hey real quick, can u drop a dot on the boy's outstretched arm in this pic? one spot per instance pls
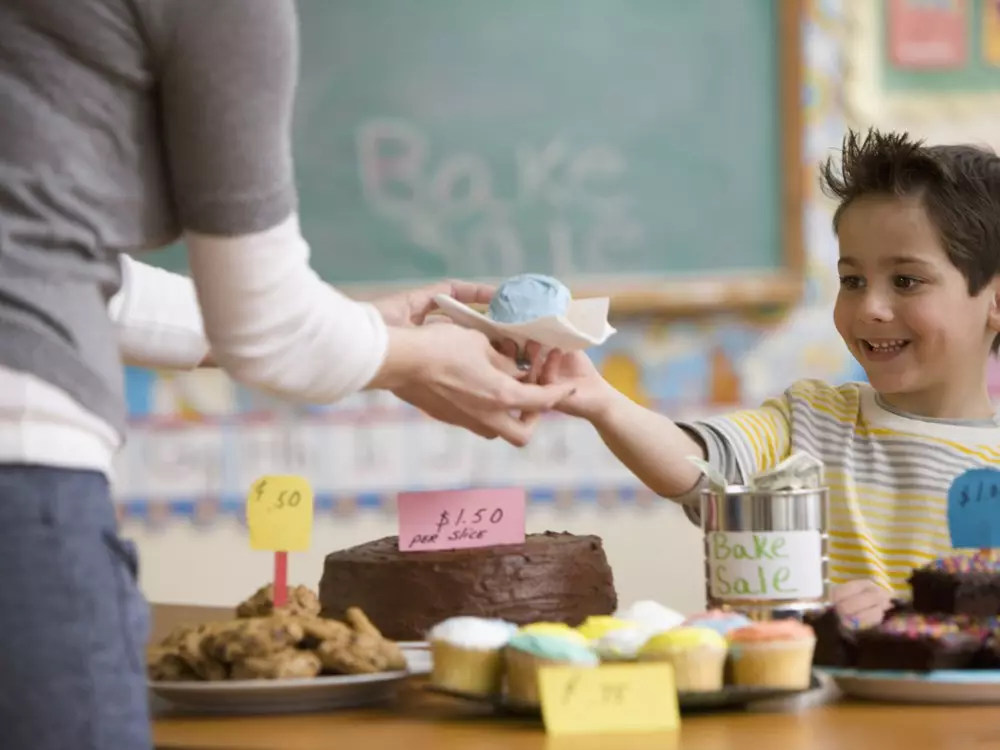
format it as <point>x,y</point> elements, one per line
<point>649,444</point>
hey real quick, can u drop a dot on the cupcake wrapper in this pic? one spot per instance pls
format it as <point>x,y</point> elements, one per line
<point>696,670</point>
<point>522,675</point>
<point>777,664</point>
<point>477,672</point>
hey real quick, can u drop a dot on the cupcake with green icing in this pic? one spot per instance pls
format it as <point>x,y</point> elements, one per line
<point>526,653</point>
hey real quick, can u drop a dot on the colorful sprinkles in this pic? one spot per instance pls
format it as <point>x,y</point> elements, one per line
<point>983,561</point>
<point>929,626</point>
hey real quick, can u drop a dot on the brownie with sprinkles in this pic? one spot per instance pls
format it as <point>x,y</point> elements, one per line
<point>920,643</point>
<point>959,585</point>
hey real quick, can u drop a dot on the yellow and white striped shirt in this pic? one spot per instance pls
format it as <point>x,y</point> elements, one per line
<point>888,473</point>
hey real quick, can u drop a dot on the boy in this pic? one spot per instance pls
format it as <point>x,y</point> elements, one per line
<point>919,234</point>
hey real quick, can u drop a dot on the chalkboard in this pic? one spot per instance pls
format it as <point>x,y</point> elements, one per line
<point>643,148</point>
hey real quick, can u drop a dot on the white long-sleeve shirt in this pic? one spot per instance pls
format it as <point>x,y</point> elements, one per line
<point>272,323</point>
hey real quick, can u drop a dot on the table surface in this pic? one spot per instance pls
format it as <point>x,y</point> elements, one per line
<point>419,721</point>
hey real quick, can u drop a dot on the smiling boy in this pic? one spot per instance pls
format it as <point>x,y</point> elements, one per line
<point>919,235</point>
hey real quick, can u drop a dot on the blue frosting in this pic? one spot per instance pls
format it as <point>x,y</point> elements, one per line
<point>553,647</point>
<point>528,297</point>
<point>721,625</point>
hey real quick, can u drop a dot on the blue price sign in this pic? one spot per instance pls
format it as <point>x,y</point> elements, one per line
<point>974,509</point>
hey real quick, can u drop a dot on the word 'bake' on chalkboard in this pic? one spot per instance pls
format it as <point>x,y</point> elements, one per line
<point>646,150</point>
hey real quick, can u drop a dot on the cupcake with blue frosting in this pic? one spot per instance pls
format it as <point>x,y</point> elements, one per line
<point>526,653</point>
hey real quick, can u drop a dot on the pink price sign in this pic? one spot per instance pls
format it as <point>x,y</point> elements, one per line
<point>460,519</point>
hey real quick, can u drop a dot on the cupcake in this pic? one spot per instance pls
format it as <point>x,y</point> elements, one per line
<point>558,629</point>
<point>468,654</point>
<point>526,653</point>
<point>718,620</point>
<point>651,615</point>
<point>621,644</point>
<point>698,656</point>
<point>596,626</point>
<point>776,654</point>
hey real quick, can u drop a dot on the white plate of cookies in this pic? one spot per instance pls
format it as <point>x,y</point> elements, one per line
<point>266,660</point>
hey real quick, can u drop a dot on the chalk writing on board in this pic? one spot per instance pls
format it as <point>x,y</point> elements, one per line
<point>765,565</point>
<point>453,205</point>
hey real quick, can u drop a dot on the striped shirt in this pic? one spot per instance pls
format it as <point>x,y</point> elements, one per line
<point>888,473</point>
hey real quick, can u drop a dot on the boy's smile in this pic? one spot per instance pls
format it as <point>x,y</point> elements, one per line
<point>905,312</point>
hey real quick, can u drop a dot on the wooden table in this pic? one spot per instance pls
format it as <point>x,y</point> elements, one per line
<point>422,722</point>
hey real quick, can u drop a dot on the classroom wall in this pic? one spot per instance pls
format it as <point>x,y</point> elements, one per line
<point>197,441</point>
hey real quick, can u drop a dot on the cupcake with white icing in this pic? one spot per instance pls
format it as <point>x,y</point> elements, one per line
<point>651,616</point>
<point>468,654</point>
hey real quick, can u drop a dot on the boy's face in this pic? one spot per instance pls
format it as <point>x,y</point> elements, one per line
<point>905,313</point>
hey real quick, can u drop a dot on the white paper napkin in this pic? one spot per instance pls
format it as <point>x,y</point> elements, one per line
<point>585,324</point>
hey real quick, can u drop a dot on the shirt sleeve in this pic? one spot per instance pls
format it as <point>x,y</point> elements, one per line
<point>227,72</point>
<point>740,445</point>
<point>157,317</point>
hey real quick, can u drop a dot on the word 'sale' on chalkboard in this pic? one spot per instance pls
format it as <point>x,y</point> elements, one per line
<point>644,149</point>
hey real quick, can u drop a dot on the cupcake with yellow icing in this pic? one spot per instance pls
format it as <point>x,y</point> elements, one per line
<point>698,656</point>
<point>777,654</point>
<point>468,654</point>
<point>597,626</point>
<point>526,653</point>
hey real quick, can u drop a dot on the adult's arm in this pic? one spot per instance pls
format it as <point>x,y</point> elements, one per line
<point>158,320</point>
<point>227,75</point>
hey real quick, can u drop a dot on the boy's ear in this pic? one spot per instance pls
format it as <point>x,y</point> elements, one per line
<point>994,318</point>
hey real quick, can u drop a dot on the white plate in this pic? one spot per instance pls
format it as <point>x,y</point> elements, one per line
<point>280,696</point>
<point>942,686</point>
<point>418,656</point>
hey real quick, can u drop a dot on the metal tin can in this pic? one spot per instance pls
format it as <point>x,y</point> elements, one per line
<point>766,551</point>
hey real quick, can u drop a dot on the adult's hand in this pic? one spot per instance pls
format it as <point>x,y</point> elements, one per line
<point>456,375</point>
<point>411,308</point>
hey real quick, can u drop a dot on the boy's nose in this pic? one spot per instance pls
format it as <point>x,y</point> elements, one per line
<point>875,308</point>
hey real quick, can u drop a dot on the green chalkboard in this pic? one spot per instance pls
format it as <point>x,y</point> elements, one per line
<point>602,141</point>
<point>976,75</point>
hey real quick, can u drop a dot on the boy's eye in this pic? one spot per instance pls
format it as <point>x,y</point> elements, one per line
<point>851,282</point>
<point>905,282</point>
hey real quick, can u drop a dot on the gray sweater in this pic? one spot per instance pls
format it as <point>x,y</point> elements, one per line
<point>124,123</point>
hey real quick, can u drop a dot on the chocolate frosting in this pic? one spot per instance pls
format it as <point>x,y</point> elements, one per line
<point>555,577</point>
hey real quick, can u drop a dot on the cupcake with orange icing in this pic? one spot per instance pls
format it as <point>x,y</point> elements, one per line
<point>775,654</point>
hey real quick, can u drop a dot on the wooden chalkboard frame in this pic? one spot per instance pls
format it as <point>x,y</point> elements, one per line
<point>714,294</point>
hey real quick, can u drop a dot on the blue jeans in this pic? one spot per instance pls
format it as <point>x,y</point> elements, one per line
<point>73,623</point>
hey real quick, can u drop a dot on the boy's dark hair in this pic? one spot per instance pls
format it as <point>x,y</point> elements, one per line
<point>959,187</point>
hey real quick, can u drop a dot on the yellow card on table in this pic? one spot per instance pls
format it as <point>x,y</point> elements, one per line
<point>610,699</point>
<point>280,513</point>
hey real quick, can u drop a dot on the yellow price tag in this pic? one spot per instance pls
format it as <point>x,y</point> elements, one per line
<point>610,699</point>
<point>280,514</point>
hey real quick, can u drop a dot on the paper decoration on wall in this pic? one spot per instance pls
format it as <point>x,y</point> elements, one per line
<point>991,32</point>
<point>925,35</point>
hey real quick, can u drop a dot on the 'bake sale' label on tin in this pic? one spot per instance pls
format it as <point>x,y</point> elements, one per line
<point>765,564</point>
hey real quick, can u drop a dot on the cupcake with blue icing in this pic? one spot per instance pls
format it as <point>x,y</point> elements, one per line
<point>528,297</point>
<point>719,620</point>
<point>526,653</point>
<point>468,654</point>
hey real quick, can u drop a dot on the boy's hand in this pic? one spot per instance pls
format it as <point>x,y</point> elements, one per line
<point>861,603</point>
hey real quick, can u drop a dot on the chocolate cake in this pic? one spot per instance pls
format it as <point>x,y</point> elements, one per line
<point>958,586</point>
<point>555,577</point>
